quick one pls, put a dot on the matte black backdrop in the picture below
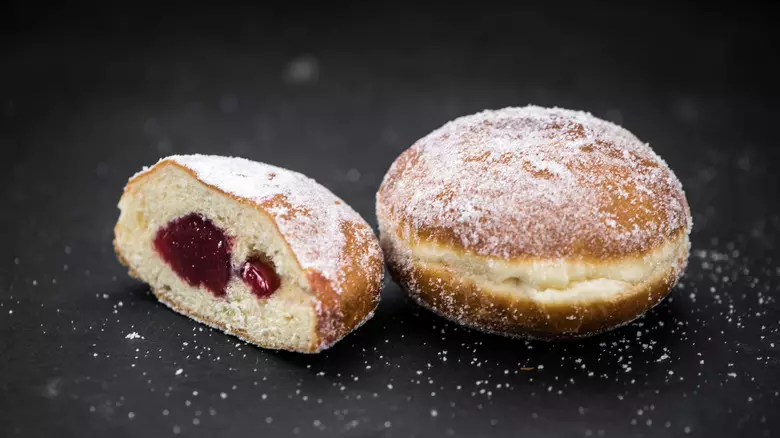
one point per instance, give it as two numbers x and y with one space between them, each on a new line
89 95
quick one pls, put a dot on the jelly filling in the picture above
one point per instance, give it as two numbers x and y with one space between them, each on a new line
260 276
197 250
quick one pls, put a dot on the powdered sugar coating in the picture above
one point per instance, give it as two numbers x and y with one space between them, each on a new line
533 181
310 218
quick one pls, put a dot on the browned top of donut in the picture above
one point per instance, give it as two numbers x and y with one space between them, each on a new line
534 182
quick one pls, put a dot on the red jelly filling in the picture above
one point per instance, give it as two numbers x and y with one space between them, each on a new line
197 250
260 277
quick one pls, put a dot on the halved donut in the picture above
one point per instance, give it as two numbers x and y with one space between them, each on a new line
258 251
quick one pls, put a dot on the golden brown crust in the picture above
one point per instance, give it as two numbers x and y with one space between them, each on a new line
455 297
527 183
338 313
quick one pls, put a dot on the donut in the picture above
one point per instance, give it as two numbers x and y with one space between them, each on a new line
534 222
260 252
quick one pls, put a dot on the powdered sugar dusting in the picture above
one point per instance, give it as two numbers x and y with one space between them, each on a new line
308 215
535 181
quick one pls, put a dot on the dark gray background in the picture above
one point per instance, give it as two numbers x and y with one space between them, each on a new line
89 95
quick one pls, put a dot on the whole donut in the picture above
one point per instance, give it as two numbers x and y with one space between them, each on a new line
534 222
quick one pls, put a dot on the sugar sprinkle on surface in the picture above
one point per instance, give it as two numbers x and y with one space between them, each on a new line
535 181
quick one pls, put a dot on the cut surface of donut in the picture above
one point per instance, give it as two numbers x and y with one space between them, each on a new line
258 251
534 222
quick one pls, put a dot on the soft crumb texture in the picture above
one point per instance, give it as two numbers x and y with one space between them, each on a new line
308 215
534 221
536 182
325 254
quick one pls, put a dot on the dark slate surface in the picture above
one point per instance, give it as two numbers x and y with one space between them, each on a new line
87 97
